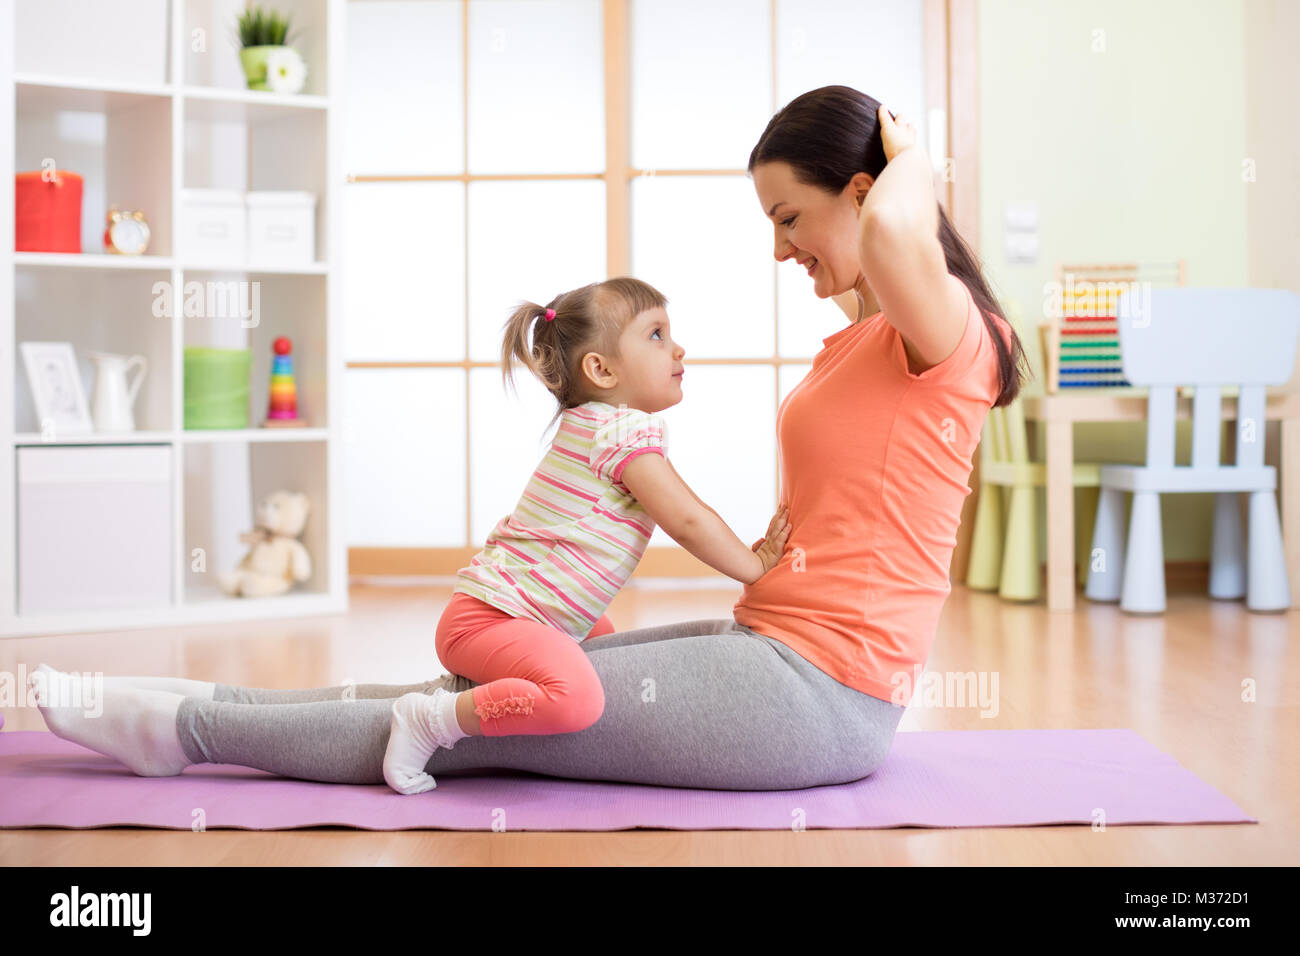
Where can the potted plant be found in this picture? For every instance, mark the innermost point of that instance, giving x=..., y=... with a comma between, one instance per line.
x=269, y=63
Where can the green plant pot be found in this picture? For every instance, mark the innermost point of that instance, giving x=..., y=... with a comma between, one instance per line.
x=254, y=60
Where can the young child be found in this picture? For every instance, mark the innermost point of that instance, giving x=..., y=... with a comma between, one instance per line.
x=547, y=572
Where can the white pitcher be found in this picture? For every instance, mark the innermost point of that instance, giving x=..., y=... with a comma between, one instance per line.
x=114, y=398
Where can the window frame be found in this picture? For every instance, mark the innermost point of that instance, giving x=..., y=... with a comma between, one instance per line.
x=950, y=72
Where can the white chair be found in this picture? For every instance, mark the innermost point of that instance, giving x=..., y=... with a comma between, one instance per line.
x=1206, y=338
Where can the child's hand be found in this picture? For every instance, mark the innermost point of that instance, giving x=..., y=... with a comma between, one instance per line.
x=770, y=549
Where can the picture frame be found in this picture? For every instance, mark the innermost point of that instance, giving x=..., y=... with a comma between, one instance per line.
x=57, y=392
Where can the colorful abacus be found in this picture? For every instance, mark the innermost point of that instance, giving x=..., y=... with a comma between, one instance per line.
x=283, y=411
x=1090, y=339
x=1081, y=346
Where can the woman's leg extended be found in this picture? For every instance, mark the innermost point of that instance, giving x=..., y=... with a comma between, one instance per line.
x=726, y=709
x=338, y=741
x=320, y=733
x=268, y=695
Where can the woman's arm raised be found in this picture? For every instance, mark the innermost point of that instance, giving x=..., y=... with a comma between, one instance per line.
x=900, y=253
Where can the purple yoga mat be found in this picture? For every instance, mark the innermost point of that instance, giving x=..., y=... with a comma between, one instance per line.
x=946, y=778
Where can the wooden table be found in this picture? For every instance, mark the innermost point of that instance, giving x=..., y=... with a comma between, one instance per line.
x=1061, y=410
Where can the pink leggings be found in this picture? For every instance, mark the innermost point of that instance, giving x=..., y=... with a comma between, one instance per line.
x=532, y=679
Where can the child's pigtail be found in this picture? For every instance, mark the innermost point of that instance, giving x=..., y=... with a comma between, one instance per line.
x=538, y=356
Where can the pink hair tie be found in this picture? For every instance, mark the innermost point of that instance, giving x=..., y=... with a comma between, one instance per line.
x=550, y=314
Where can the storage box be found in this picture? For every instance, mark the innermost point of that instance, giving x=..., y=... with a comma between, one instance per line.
x=214, y=227
x=281, y=228
x=47, y=215
x=94, y=527
x=216, y=387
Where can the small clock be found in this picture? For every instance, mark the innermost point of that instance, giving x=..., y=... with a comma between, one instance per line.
x=127, y=233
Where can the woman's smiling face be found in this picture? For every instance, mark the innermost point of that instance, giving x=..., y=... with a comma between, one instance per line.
x=813, y=227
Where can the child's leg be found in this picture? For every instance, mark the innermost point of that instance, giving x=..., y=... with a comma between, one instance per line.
x=599, y=638
x=532, y=679
x=603, y=626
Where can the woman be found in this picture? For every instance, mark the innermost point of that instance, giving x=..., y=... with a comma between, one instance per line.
x=806, y=685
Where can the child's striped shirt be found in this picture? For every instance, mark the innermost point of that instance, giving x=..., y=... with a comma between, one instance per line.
x=576, y=533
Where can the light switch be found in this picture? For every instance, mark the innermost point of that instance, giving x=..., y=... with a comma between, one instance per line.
x=1022, y=247
x=1021, y=220
x=1022, y=216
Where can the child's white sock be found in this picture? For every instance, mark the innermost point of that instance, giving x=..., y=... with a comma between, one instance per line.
x=445, y=701
x=421, y=724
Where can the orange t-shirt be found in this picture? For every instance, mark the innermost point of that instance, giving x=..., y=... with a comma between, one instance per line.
x=874, y=461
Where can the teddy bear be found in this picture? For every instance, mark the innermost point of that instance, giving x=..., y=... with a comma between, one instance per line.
x=276, y=558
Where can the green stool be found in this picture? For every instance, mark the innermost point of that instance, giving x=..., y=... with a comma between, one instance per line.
x=1004, y=555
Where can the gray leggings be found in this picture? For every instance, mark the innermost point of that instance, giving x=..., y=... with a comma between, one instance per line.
x=707, y=703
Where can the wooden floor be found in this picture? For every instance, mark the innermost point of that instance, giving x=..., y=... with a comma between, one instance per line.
x=1176, y=679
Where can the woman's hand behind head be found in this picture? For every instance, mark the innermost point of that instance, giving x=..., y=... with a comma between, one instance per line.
x=896, y=133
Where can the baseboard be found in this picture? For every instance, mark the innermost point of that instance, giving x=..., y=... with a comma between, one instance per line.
x=656, y=563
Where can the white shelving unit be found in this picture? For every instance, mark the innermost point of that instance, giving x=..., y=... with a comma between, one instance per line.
x=145, y=98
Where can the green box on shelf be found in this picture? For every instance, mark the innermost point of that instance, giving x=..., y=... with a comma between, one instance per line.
x=216, y=387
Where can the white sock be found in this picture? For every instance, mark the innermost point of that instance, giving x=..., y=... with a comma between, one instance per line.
x=136, y=727
x=446, y=703
x=173, y=685
x=421, y=724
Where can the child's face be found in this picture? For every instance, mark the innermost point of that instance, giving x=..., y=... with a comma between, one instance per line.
x=650, y=364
